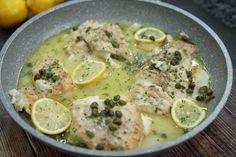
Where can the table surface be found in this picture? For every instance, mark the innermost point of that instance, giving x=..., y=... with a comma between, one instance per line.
x=217, y=140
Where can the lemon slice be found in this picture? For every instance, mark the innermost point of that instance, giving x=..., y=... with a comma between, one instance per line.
x=88, y=72
x=149, y=35
x=50, y=116
x=187, y=114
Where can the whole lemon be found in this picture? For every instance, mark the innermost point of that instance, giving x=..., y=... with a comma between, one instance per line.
x=12, y=12
x=37, y=6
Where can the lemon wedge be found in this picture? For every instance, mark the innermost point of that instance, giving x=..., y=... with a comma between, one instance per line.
x=149, y=35
x=50, y=116
x=88, y=72
x=187, y=114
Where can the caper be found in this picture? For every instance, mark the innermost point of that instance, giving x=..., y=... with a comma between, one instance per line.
x=113, y=126
x=203, y=90
x=117, y=121
x=177, y=53
x=189, y=91
x=100, y=146
x=118, y=114
x=189, y=74
x=116, y=98
x=106, y=111
x=107, y=102
x=122, y=102
x=208, y=98
x=95, y=112
x=94, y=105
x=111, y=113
x=37, y=77
x=179, y=58
x=42, y=71
x=177, y=85
x=102, y=113
x=209, y=92
x=152, y=38
x=78, y=39
x=174, y=61
x=112, y=104
x=200, y=98
x=74, y=28
x=191, y=85
x=55, y=78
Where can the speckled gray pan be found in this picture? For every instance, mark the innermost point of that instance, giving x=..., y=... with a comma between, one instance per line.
x=159, y=14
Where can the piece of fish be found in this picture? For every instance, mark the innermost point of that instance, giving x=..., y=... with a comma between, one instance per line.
x=94, y=131
x=51, y=86
x=161, y=81
x=24, y=98
x=103, y=39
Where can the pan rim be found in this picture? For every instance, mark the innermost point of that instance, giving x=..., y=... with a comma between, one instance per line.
x=145, y=151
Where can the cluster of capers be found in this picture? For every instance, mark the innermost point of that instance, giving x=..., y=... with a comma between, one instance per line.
x=191, y=84
x=176, y=58
x=46, y=74
x=205, y=94
x=107, y=112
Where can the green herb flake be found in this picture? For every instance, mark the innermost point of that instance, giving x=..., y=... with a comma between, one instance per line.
x=90, y=134
x=108, y=34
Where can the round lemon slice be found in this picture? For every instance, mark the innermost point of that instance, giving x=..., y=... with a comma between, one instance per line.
x=88, y=72
x=50, y=116
x=149, y=35
x=187, y=114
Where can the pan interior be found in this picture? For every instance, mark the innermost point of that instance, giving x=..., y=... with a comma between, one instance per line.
x=167, y=19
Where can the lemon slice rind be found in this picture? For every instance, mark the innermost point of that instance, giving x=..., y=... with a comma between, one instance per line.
x=195, y=107
x=160, y=38
x=53, y=113
x=95, y=78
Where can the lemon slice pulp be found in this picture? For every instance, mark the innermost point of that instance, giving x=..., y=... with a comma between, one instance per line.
x=50, y=116
x=149, y=35
x=88, y=72
x=186, y=113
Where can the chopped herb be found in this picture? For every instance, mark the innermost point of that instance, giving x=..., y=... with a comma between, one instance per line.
x=163, y=135
x=108, y=34
x=143, y=36
x=55, y=78
x=113, y=126
x=30, y=65
x=115, y=44
x=78, y=39
x=107, y=121
x=154, y=132
x=90, y=134
x=88, y=29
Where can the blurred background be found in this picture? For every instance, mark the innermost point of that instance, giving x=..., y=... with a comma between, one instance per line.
x=220, y=15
